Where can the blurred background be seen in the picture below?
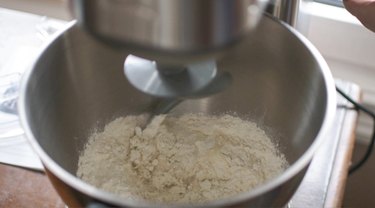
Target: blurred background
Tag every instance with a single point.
(346, 45)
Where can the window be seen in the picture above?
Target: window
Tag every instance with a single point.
(331, 2)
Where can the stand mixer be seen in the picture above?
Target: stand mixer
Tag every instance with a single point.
(177, 50)
(174, 43)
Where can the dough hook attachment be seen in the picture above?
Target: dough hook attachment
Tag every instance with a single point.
(170, 81)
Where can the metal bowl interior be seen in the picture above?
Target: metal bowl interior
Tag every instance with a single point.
(279, 80)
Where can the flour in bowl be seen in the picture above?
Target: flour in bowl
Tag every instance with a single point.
(186, 159)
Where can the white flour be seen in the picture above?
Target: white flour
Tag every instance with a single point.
(192, 158)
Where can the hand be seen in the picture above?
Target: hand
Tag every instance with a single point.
(364, 10)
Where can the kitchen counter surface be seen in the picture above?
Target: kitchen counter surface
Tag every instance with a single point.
(325, 180)
(323, 185)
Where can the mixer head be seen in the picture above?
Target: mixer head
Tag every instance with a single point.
(174, 42)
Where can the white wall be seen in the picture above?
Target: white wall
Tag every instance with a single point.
(51, 8)
(349, 50)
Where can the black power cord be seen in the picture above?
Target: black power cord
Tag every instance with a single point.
(360, 107)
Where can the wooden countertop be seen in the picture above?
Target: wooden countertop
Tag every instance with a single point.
(25, 188)
(323, 185)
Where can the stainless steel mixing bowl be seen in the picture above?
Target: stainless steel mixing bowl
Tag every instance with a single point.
(77, 84)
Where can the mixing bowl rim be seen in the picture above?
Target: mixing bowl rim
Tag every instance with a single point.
(107, 197)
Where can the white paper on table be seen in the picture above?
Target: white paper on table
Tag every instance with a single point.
(21, 37)
(17, 151)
